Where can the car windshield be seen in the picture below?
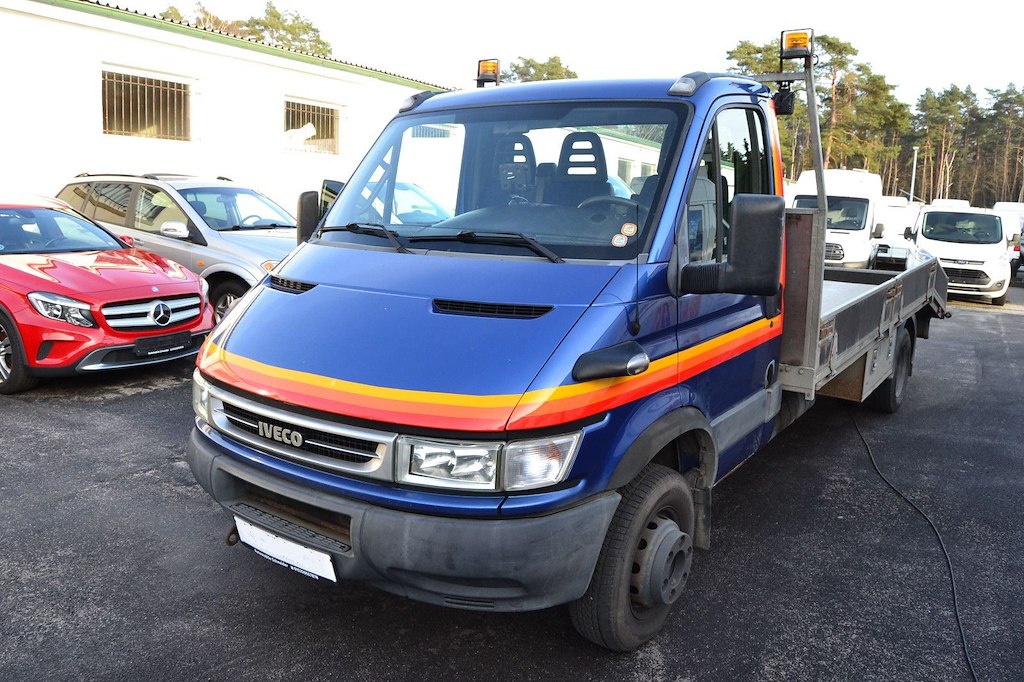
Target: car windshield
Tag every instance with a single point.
(232, 208)
(844, 213)
(579, 180)
(44, 230)
(964, 228)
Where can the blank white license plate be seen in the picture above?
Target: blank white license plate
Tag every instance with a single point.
(299, 558)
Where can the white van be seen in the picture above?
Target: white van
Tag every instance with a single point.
(970, 244)
(852, 230)
(1012, 213)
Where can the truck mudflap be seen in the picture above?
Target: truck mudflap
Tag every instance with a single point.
(519, 564)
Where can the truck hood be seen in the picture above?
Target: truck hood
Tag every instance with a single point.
(431, 341)
(82, 273)
(267, 244)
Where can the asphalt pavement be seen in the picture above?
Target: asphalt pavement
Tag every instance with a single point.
(113, 563)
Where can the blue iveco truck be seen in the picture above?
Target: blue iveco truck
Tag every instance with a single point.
(506, 367)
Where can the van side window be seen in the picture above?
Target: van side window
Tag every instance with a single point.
(734, 161)
(154, 208)
(75, 196)
(108, 203)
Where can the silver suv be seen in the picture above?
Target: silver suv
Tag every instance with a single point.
(229, 234)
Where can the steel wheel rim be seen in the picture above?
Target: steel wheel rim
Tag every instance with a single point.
(639, 609)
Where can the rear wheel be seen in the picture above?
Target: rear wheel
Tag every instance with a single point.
(224, 295)
(644, 563)
(889, 395)
(14, 376)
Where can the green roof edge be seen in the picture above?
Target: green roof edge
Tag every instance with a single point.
(227, 39)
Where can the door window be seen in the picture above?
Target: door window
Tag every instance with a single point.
(155, 208)
(734, 161)
(108, 203)
(75, 196)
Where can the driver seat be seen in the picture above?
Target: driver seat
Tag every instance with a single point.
(582, 171)
(12, 236)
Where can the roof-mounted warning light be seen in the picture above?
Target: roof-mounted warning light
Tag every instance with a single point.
(796, 44)
(487, 71)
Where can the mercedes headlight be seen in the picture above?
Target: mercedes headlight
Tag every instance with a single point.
(57, 307)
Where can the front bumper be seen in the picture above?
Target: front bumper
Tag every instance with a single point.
(519, 564)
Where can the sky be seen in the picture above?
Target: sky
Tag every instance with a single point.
(915, 45)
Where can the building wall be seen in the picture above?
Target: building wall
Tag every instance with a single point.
(51, 118)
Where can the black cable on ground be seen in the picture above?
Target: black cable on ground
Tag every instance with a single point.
(938, 536)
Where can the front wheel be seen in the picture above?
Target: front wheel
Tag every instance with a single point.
(999, 300)
(14, 376)
(224, 295)
(644, 563)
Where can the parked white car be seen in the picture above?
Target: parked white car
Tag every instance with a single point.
(970, 244)
(852, 229)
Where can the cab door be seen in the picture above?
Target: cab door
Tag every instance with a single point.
(727, 354)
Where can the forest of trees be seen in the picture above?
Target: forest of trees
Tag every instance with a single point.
(967, 148)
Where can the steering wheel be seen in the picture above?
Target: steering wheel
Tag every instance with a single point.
(516, 200)
(613, 201)
(55, 241)
(255, 218)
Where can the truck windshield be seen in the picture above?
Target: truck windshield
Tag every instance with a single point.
(844, 213)
(578, 179)
(964, 228)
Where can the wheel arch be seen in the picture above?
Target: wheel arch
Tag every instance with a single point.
(681, 440)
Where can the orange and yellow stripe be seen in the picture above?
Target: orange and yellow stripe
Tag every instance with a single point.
(535, 409)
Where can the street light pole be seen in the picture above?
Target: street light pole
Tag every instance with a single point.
(913, 174)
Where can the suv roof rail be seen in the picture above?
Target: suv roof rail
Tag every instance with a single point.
(116, 175)
(221, 177)
(165, 176)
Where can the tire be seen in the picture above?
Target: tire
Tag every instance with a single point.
(224, 295)
(889, 395)
(999, 300)
(14, 376)
(643, 565)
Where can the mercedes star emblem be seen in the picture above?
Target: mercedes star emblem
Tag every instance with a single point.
(160, 314)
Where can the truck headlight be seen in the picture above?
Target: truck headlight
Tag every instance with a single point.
(523, 464)
(539, 463)
(472, 466)
(200, 396)
(57, 307)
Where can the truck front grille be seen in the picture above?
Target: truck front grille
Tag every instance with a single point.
(154, 313)
(311, 441)
(834, 251)
(966, 276)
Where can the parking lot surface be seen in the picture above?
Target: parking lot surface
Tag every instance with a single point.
(113, 563)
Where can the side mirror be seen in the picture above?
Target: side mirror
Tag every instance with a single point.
(755, 251)
(174, 229)
(908, 234)
(878, 231)
(129, 240)
(329, 191)
(308, 214)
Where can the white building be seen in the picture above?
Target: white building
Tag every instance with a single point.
(93, 88)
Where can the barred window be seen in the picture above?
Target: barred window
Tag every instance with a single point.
(145, 107)
(311, 128)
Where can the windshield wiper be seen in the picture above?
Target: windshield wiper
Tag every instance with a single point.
(369, 228)
(513, 238)
(261, 226)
